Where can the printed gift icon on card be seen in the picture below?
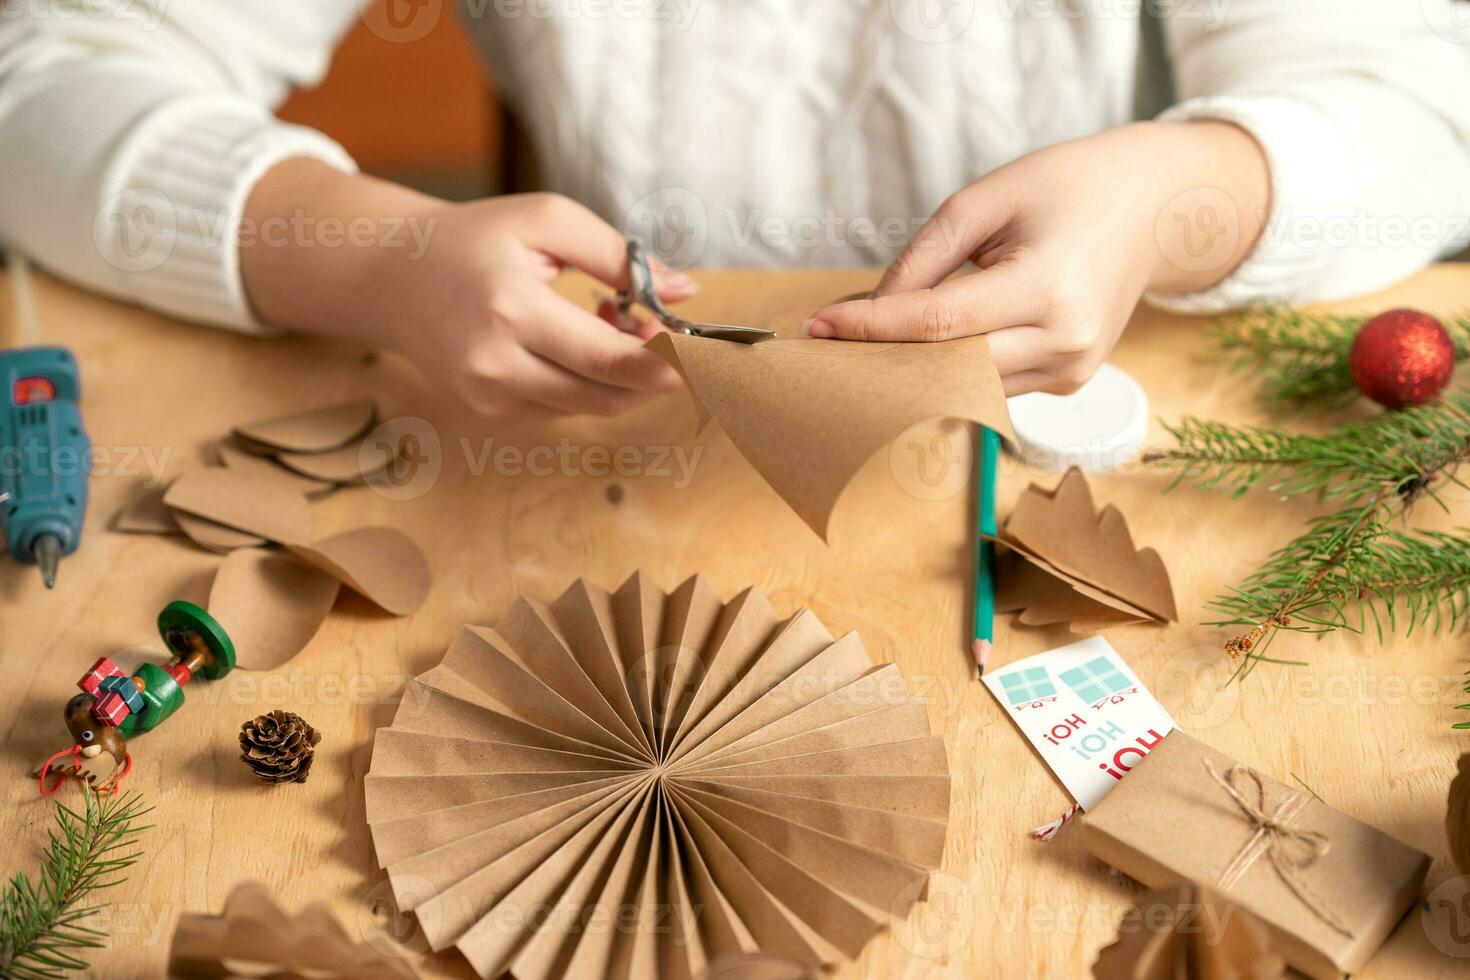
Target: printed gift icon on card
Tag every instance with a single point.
(1097, 681)
(1094, 727)
(1029, 687)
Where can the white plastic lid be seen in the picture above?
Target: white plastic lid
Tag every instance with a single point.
(1098, 428)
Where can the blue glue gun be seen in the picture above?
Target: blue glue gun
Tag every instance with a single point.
(45, 456)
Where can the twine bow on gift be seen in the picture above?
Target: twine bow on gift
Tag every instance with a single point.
(1290, 849)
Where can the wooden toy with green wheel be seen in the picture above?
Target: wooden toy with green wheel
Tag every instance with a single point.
(114, 706)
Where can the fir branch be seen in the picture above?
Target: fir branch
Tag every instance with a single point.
(1362, 572)
(1462, 725)
(1348, 561)
(1426, 573)
(1302, 358)
(1405, 452)
(42, 923)
(1300, 586)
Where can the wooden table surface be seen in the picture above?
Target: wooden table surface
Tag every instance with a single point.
(1367, 727)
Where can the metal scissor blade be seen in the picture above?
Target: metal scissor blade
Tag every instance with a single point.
(735, 335)
(640, 276)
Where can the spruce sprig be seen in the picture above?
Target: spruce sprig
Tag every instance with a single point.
(1349, 567)
(43, 922)
(1301, 358)
(1403, 453)
(1426, 573)
(1363, 575)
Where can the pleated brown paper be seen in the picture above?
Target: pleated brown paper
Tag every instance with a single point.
(638, 784)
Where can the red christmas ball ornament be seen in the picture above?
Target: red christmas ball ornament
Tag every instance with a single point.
(1402, 357)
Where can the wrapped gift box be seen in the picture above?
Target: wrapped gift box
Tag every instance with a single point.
(1330, 888)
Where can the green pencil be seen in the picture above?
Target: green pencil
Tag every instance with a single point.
(985, 466)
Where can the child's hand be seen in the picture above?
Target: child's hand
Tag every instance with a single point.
(469, 298)
(1067, 240)
(489, 324)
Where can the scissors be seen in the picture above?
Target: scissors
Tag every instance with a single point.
(640, 276)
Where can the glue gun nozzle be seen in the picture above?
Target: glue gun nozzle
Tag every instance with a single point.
(47, 550)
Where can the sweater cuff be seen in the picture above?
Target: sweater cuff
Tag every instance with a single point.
(1308, 158)
(173, 202)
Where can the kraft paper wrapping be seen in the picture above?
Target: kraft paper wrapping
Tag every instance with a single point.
(1170, 820)
(808, 413)
(641, 783)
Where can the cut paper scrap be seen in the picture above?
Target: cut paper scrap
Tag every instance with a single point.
(1084, 711)
(239, 461)
(147, 514)
(326, 447)
(265, 508)
(254, 937)
(340, 466)
(268, 469)
(224, 510)
(1085, 570)
(271, 604)
(215, 537)
(381, 564)
(354, 463)
(722, 780)
(808, 414)
(315, 431)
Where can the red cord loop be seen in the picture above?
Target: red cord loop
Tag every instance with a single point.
(110, 787)
(76, 752)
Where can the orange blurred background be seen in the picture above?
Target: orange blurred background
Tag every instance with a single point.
(420, 113)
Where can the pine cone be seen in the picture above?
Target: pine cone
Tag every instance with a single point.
(278, 747)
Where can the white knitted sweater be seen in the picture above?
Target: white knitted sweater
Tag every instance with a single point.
(745, 132)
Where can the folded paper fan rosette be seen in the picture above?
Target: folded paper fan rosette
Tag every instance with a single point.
(640, 783)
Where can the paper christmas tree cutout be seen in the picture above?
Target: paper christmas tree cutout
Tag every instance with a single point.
(808, 414)
(665, 779)
(254, 937)
(1071, 563)
(1188, 932)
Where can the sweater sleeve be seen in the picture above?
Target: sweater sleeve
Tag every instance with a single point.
(131, 133)
(1360, 107)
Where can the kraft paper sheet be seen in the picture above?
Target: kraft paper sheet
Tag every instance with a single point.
(696, 779)
(262, 507)
(271, 604)
(809, 413)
